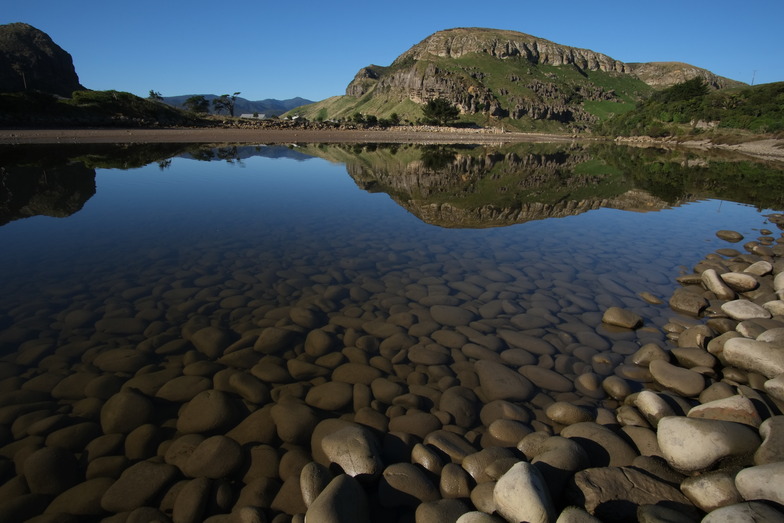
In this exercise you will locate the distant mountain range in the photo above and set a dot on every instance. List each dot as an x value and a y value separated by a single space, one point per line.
268 107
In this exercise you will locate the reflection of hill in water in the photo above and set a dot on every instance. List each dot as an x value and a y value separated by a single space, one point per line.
481 187
464 186
56 192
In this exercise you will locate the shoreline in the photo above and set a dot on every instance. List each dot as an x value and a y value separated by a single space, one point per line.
763 149
261 135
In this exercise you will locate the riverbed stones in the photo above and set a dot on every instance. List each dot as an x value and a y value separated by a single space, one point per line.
693 445
567 413
451 316
521 494
51 470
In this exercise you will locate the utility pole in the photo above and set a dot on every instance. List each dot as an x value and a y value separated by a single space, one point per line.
754 75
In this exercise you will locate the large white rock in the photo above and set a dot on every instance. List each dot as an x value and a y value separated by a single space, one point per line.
753 355
696 444
762 482
522 495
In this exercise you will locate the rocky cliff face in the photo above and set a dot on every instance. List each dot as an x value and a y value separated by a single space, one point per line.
514 76
31 61
666 74
454 43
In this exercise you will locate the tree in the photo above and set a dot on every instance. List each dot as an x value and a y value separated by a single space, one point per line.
439 111
226 102
155 96
197 104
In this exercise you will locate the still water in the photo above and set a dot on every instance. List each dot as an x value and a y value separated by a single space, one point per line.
125 248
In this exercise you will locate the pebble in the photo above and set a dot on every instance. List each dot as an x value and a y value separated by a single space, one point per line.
735 408
208 412
693 445
762 482
744 310
125 411
341 501
623 490
355 450
215 457
751 512
51 471
622 318
682 381
499 382
756 356
603 446
521 494
567 413
711 490
772 449
138 485
404 484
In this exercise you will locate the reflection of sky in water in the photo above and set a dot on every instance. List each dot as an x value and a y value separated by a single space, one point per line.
312 212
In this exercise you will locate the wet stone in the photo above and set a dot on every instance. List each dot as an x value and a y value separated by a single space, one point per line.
622 318
451 316
729 236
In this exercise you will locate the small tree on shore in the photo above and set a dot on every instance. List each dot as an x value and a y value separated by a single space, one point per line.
440 111
226 102
197 104
155 96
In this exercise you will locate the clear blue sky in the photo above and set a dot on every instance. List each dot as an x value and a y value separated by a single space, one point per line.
313 49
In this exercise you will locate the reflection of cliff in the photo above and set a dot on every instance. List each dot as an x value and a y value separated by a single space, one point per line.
31 191
478 187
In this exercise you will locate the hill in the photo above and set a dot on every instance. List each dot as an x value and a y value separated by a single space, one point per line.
268 107
31 61
505 78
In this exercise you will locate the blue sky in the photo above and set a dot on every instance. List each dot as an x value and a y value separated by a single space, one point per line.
313 49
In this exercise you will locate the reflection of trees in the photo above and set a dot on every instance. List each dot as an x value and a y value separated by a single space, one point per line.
681 174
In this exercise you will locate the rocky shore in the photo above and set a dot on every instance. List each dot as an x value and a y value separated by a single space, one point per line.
454 404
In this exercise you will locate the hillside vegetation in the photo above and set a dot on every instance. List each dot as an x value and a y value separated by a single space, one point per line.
691 108
84 108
